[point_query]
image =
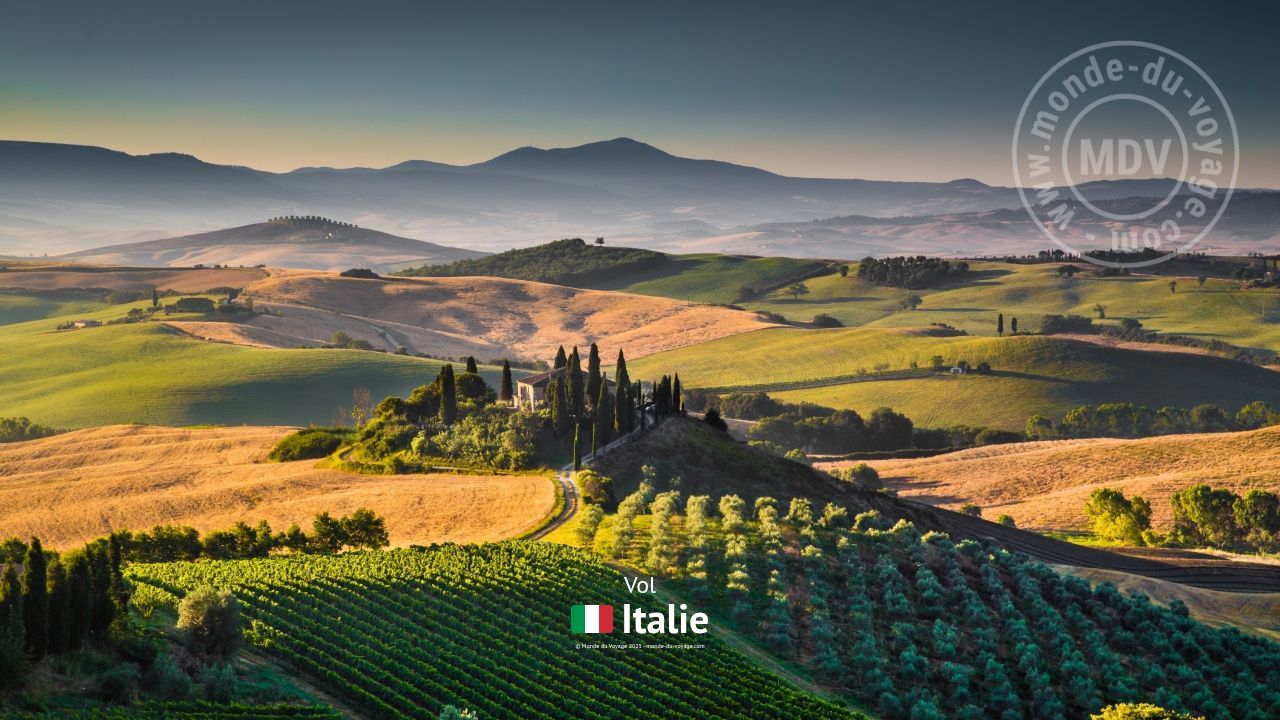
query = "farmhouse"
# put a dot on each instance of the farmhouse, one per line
(191, 304)
(88, 323)
(531, 390)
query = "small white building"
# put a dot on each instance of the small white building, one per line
(88, 323)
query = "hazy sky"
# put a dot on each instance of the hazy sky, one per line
(893, 90)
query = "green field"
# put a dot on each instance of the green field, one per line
(1031, 374)
(710, 278)
(398, 634)
(23, 308)
(1248, 318)
(150, 373)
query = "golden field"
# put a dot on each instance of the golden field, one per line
(73, 487)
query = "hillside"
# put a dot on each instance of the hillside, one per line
(152, 373)
(489, 318)
(74, 487)
(710, 462)
(564, 262)
(712, 278)
(1030, 374)
(1044, 485)
(400, 634)
(298, 243)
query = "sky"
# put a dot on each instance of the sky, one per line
(884, 90)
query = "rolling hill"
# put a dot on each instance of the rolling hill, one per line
(310, 244)
(1031, 374)
(1044, 485)
(71, 488)
(487, 317)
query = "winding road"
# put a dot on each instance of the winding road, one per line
(565, 478)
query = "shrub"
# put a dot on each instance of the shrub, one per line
(1051, 324)
(211, 621)
(167, 680)
(1115, 517)
(1140, 712)
(823, 320)
(992, 436)
(863, 475)
(595, 489)
(970, 509)
(309, 444)
(712, 418)
(219, 683)
(1006, 520)
(119, 683)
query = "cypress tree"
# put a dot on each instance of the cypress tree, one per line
(471, 365)
(59, 607)
(13, 661)
(102, 608)
(155, 298)
(577, 390)
(81, 590)
(593, 373)
(119, 588)
(644, 417)
(622, 406)
(577, 446)
(505, 390)
(448, 395)
(35, 600)
(561, 361)
(558, 405)
(604, 419)
(677, 400)
(1000, 324)
(1013, 326)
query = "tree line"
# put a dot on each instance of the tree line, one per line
(912, 272)
(1203, 516)
(1127, 420)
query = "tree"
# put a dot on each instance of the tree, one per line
(1208, 418)
(577, 445)
(844, 271)
(505, 390)
(1006, 520)
(677, 398)
(911, 302)
(210, 620)
(712, 418)
(970, 509)
(103, 605)
(561, 360)
(889, 430)
(35, 600)
(624, 400)
(1039, 427)
(1257, 515)
(593, 373)
(1115, 517)
(1257, 414)
(1173, 286)
(155, 298)
(327, 534)
(575, 386)
(1202, 514)
(594, 488)
(59, 607)
(1013, 326)
(795, 290)
(1000, 324)
(603, 419)
(1101, 310)
(80, 584)
(471, 365)
(365, 529)
(13, 660)
(1200, 280)
(448, 395)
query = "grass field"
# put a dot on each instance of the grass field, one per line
(1249, 318)
(70, 488)
(154, 374)
(711, 278)
(1044, 485)
(24, 308)
(1031, 374)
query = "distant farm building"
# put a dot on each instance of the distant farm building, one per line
(531, 390)
(88, 323)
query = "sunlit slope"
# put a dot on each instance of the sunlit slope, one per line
(1046, 484)
(154, 374)
(71, 488)
(1249, 318)
(711, 278)
(1031, 374)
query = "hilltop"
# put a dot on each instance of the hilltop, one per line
(1045, 484)
(564, 262)
(80, 485)
(311, 243)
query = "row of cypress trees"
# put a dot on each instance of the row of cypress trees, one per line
(51, 603)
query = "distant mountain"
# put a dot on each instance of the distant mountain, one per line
(316, 244)
(64, 198)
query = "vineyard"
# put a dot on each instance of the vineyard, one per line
(189, 711)
(400, 634)
(919, 627)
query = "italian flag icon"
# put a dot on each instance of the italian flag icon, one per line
(591, 619)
